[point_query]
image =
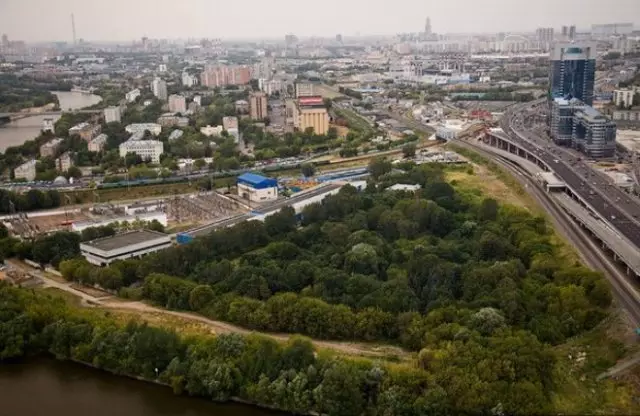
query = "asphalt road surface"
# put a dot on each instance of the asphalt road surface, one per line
(617, 207)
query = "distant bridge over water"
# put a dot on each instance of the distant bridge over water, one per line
(8, 117)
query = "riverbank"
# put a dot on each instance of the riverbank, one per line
(19, 131)
(65, 388)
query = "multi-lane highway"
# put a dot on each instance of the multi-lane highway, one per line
(612, 204)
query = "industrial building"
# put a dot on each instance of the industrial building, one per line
(310, 112)
(105, 251)
(257, 188)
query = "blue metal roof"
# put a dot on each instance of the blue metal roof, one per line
(257, 181)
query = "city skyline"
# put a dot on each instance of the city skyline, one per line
(252, 20)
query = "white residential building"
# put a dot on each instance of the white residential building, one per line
(198, 100)
(154, 128)
(132, 95)
(112, 114)
(26, 171)
(623, 97)
(162, 68)
(159, 88)
(97, 144)
(146, 149)
(177, 104)
(175, 135)
(211, 130)
(189, 80)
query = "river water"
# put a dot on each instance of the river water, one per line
(19, 131)
(45, 387)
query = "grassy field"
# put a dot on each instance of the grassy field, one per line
(356, 122)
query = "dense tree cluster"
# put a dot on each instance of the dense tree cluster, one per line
(509, 370)
(17, 92)
(421, 270)
(12, 202)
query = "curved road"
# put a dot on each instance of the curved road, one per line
(618, 208)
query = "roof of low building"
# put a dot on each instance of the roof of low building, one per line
(256, 180)
(123, 240)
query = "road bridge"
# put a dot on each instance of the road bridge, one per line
(6, 117)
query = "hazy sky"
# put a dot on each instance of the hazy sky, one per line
(124, 20)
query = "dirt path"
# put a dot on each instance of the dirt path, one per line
(219, 327)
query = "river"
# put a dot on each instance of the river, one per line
(19, 131)
(45, 387)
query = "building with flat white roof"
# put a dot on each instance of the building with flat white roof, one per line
(211, 130)
(146, 149)
(175, 135)
(112, 114)
(105, 251)
(132, 95)
(26, 171)
(154, 128)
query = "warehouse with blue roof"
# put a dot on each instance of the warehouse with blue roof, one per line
(257, 188)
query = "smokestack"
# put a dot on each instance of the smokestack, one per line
(73, 28)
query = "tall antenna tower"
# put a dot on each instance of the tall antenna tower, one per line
(73, 28)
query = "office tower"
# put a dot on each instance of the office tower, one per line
(427, 27)
(572, 32)
(5, 40)
(565, 32)
(159, 88)
(573, 69)
(258, 105)
(339, 38)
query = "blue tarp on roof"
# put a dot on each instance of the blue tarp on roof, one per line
(257, 181)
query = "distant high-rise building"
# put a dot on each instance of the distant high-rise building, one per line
(565, 32)
(573, 69)
(612, 29)
(221, 75)
(159, 88)
(73, 28)
(5, 40)
(545, 34)
(339, 38)
(427, 26)
(258, 105)
(290, 39)
(572, 32)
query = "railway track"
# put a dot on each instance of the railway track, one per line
(592, 255)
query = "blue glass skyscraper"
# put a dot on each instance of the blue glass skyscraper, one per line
(573, 71)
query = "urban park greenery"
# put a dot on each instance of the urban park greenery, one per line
(477, 289)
